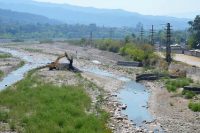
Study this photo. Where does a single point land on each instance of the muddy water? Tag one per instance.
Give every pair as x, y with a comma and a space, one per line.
17, 75
133, 94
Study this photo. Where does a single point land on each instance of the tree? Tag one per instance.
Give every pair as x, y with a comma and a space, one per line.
195, 33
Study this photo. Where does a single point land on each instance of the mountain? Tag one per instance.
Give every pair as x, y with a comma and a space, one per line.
87, 15
8, 17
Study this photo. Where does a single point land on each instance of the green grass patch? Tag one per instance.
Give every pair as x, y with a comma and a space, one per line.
5, 55
39, 107
1, 74
194, 106
3, 116
188, 94
173, 84
22, 63
33, 50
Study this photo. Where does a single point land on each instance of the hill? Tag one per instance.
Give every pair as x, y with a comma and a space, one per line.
86, 15
9, 17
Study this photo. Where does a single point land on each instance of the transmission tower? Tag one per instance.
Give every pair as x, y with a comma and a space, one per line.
152, 35
168, 43
142, 34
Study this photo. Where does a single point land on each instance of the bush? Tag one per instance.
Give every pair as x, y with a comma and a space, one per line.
194, 106
1, 74
4, 55
173, 84
137, 52
108, 44
188, 94
171, 88
3, 116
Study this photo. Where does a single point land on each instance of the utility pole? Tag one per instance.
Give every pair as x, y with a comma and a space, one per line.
142, 34
152, 35
168, 43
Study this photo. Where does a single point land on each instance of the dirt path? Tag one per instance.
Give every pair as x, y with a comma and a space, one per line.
191, 60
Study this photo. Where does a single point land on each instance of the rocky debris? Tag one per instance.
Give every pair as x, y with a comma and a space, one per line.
177, 118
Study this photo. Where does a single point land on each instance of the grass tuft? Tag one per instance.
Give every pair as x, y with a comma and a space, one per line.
194, 106
5, 55
173, 84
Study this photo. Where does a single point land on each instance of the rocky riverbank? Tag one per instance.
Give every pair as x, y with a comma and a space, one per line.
170, 111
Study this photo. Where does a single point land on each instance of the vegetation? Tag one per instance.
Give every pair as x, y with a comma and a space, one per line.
136, 52
173, 84
44, 108
188, 94
194, 106
19, 31
108, 44
5, 55
1, 74
22, 63
33, 50
46, 41
194, 39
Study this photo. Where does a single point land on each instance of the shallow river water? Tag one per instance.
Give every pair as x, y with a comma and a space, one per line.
133, 94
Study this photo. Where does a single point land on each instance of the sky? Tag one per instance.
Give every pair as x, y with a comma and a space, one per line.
177, 8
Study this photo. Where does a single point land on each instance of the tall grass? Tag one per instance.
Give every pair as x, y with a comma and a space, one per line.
39, 107
194, 106
1, 74
4, 55
173, 84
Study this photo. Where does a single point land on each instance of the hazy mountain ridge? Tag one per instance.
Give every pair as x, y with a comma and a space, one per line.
86, 15
8, 16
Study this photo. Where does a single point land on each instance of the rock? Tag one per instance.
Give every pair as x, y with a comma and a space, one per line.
124, 106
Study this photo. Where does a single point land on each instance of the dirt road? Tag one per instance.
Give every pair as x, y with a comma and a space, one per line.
191, 60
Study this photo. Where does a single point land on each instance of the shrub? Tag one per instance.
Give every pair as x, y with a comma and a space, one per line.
173, 84
4, 55
188, 94
194, 106
3, 116
138, 52
108, 44
1, 74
